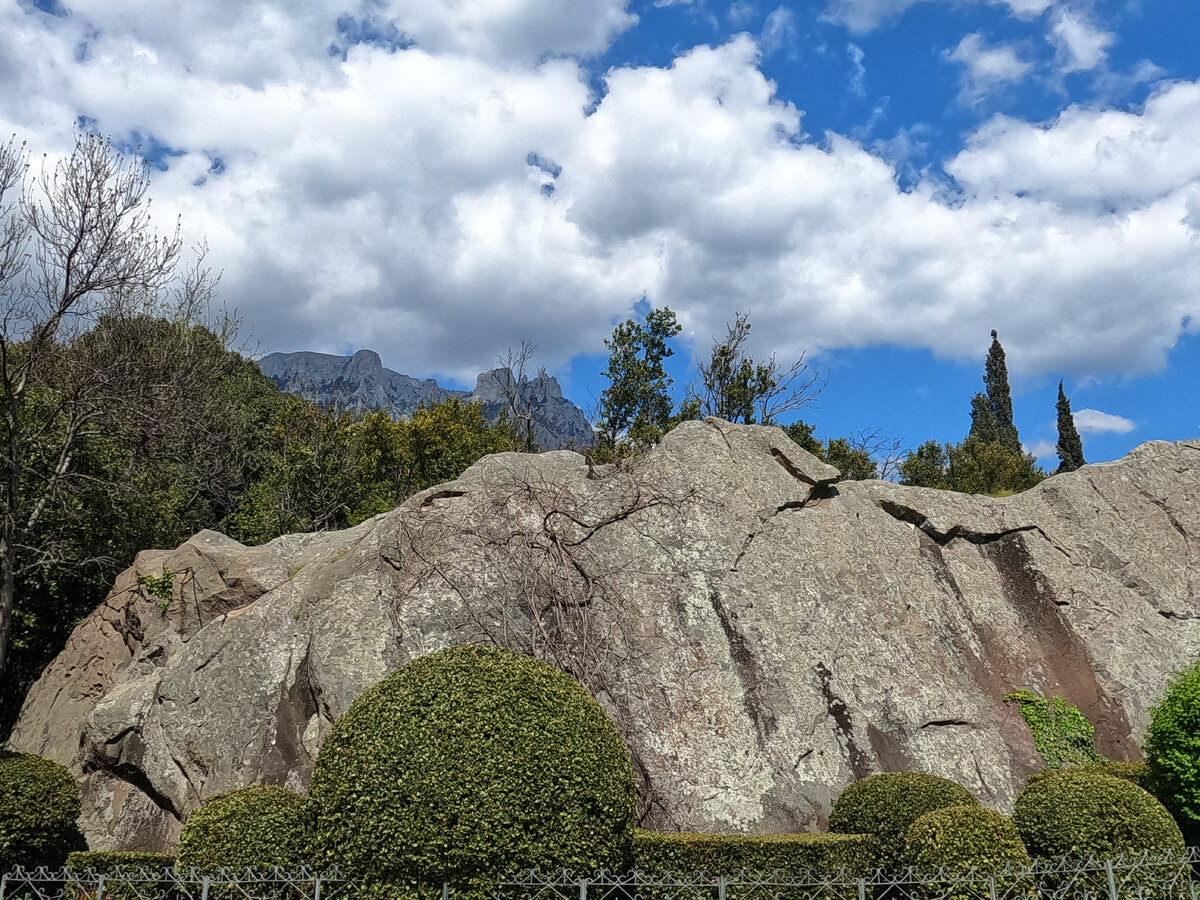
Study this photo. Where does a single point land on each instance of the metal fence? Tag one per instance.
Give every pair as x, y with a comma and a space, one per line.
1173, 876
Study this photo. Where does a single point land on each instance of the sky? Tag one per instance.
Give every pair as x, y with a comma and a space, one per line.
877, 184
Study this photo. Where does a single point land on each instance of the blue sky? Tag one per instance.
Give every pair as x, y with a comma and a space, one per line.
879, 183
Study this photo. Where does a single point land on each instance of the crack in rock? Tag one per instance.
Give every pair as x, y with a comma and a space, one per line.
943, 723
955, 532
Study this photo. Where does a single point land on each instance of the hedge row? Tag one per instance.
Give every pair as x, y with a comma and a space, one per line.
793, 855
105, 861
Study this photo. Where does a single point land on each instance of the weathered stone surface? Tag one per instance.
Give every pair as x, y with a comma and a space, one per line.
762, 635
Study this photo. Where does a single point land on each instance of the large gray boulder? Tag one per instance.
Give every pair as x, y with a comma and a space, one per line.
761, 634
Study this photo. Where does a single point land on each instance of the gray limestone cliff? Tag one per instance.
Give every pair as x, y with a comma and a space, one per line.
762, 634
360, 383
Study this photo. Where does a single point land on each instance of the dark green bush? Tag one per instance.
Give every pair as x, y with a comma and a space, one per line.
257, 827
39, 809
887, 804
961, 839
469, 763
1079, 813
104, 861
1133, 772
1172, 749
791, 854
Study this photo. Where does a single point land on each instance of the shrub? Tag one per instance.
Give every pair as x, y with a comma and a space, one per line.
105, 861
1133, 772
1079, 813
469, 763
844, 856
967, 839
253, 827
887, 804
1172, 749
1062, 734
39, 809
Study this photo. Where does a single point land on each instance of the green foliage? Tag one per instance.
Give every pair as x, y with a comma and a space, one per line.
161, 587
839, 857
1134, 772
854, 463
636, 406
962, 839
984, 426
1062, 734
468, 763
1077, 813
1070, 446
103, 861
886, 805
973, 467
1172, 749
39, 806
802, 434
999, 398
261, 826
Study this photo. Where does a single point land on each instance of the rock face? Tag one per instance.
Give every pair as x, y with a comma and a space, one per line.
360, 382
762, 635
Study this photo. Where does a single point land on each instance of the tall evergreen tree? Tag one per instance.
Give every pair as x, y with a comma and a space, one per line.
983, 421
999, 396
1070, 447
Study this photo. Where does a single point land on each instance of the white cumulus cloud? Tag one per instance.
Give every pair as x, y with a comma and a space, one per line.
986, 68
1082, 45
1093, 421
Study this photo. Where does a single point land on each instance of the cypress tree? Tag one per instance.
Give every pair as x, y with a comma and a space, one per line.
1070, 447
999, 396
983, 420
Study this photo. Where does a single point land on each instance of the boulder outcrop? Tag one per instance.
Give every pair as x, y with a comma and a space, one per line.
762, 634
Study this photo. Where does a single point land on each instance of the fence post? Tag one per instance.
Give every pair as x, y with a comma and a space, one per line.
992, 887
3, 886
204, 888
445, 890
1112, 881
317, 888
100, 888
582, 889
721, 887
862, 889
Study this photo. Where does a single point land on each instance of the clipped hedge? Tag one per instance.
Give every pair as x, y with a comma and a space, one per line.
255, 827
105, 861
961, 839
1079, 813
887, 804
39, 809
469, 763
1133, 772
793, 855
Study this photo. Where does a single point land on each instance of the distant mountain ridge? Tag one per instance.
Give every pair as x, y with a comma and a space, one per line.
360, 383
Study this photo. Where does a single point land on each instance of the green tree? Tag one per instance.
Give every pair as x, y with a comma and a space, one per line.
854, 463
926, 467
1070, 446
1172, 750
995, 378
636, 407
735, 387
984, 426
77, 248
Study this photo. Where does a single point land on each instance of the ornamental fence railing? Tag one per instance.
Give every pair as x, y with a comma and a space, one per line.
1172, 876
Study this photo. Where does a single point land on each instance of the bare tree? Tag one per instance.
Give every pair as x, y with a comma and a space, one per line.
886, 452
521, 394
735, 387
82, 276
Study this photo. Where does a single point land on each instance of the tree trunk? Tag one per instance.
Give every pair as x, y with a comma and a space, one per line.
6, 605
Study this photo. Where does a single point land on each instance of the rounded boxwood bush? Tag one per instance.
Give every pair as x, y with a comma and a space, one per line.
959, 839
1134, 772
1172, 749
887, 804
1079, 813
469, 763
255, 827
39, 809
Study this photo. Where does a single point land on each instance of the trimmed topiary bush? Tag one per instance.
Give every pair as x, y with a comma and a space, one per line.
39, 810
1172, 749
963, 839
104, 861
1079, 813
841, 856
886, 805
255, 827
466, 764
1133, 772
